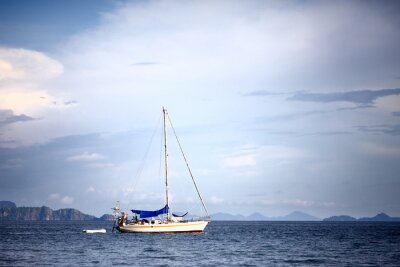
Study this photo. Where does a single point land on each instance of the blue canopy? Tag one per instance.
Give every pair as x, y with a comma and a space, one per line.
176, 215
149, 213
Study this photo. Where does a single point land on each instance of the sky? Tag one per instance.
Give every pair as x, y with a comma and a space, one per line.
280, 106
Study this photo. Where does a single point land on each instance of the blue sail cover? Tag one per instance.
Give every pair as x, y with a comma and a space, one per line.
150, 213
176, 215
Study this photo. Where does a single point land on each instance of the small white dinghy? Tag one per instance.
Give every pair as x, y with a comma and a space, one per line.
94, 231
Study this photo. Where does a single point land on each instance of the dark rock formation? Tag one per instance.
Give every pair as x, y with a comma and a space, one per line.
43, 214
7, 204
106, 217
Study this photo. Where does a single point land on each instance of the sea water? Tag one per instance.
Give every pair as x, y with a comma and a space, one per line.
222, 243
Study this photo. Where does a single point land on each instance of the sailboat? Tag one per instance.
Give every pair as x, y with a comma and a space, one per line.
162, 220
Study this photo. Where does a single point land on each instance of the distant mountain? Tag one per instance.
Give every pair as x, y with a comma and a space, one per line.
106, 217
340, 218
294, 216
256, 217
10, 212
381, 217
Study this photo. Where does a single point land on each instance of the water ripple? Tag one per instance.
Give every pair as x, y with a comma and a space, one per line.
223, 243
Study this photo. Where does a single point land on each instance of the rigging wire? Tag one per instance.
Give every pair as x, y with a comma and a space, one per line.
144, 159
187, 165
192, 205
161, 150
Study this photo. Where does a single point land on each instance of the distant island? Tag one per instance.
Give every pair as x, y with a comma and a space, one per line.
381, 217
294, 216
340, 218
301, 216
10, 212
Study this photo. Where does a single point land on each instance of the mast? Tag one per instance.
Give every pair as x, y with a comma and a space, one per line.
166, 158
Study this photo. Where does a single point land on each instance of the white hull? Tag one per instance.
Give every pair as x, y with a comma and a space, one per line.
172, 227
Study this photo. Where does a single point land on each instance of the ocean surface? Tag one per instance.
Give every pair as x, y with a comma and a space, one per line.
222, 243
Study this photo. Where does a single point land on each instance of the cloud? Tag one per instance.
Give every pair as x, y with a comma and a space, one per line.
311, 113
396, 113
67, 200
54, 196
24, 99
239, 161
24, 77
299, 203
91, 160
250, 156
282, 153
363, 97
384, 128
280, 40
265, 93
86, 156
90, 189
380, 150
21, 167
70, 102
100, 165
21, 65
12, 163
295, 116
216, 200
279, 46
143, 63
7, 117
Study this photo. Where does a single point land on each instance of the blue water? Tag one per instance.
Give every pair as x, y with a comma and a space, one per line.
223, 243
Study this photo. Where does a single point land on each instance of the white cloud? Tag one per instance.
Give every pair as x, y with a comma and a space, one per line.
24, 65
236, 46
67, 200
86, 156
238, 42
298, 203
190, 200
245, 173
25, 78
22, 77
90, 189
98, 165
239, 161
216, 200
54, 196
282, 153
380, 150
308, 203
249, 156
